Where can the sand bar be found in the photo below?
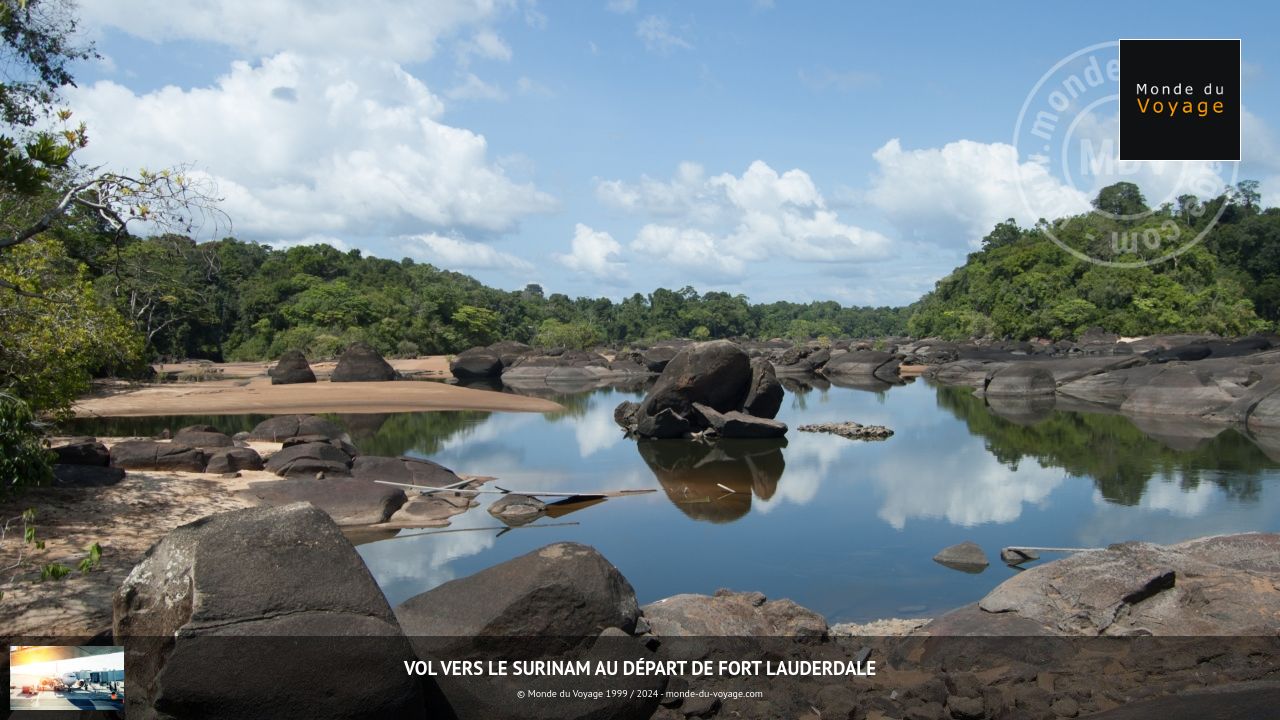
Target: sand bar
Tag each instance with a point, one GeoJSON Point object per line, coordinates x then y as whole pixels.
{"type": "Point", "coordinates": [245, 389]}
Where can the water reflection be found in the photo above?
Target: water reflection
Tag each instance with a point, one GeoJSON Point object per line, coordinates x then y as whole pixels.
{"type": "Point", "coordinates": [735, 514]}
{"type": "Point", "coordinates": [715, 482]}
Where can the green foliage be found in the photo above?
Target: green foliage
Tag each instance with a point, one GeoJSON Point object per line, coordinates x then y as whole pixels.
{"type": "Point", "coordinates": [54, 571]}
{"type": "Point", "coordinates": [92, 557]}
{"type": "Point", "coordinates": [1022, 286]}
{"type": "Point", "coordinates": [573, 335]}
{"type": "Point", "coordinates": [23, 459]}
{"type": "Point", "coordinates": [55, 329]}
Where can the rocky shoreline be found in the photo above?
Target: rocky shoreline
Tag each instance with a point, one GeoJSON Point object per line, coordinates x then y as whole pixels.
{"type": "Point", "coordinates": [220, 578]}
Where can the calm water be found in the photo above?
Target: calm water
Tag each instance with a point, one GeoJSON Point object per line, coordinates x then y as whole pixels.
{"type": "Point", "coordinates": [844, 527]}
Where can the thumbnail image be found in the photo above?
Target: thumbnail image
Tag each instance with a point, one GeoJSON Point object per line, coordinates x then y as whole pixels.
{"type": "Point", "coordinates": [66, 677]}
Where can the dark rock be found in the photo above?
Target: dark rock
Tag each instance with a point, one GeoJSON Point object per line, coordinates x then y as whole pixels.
{"type": "Point", "coordinates": [1018, 556]}
{"type": "Point", "coordinates": [292, 368]}
{"type": "Point", "coordinates": [730, 614]}
{"type": "Point", "coordinates": [283, 427]}
{"type": "Point", "coordinates": [508, 351]}
{"type": "Point", "coordinates": [82, 451]}
{"type": "Point", "coordinates": [735, 424]}
{"type": "Point", "coordinates": [286, 572]}
{"type": "Point", "coordinates": [339, 443]}
{"type": "Point", "coordinates": [1021, 379]}
{"type": "Point", "coordinates": [566, 593]}
{"type": "Point", "coordinates": [1224, 702]}
{"type": "Point", "coordinates": [85, 475]}
{"type": "Point", "coordinates": [965, 557]}
{"type": "Point", "coordinates": [966, 708]}
{"type": "Point", "coordinates": [764, 399]}
{"type": "Point", "coordinates": [410, 471]}
{"type": "Point", "coordinates": [478, 362]}
{"type": "Point", "coordinates": [656, 358]}
{"type": "Point", "coordinates": [625, 415]}
{"type": "Point", "coordinates": [308, 458]}
{"type": "Point", "coordinates": [232, 460]}
{"type": "Point", "coordinates": [152, 455]}
{"type": "Point", "coordinates": [864, 362]}
{"type": "Point", "coordinates": [361, 363]}
{"type": "Point", "coordinates": [716, 374]}
{"type": "Point", "coordinates": [665, 425]}
{"type": "Point", "coordinates": [202, 438]}
{"type": "Point", "coordinates": [694, 475]}
{"type": "Point", "coordinates": [1185, 353]}
{"type": "Point", "coordinates": [346, 500]}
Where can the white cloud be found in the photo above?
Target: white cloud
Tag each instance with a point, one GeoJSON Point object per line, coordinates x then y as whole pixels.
{"type": "Point", "coordinates": [592, 253]}
{"type": "Point", "coordinates": [473, 88]}
{"type": "Point", "coordinates": [960, 191]}
{"type": "Point", "coordinates": [456, 253]}
{"type": "Point", "coordinates": [358, 150]}
{"type": "Point", "coordinates": [485, 44]}
{"type": "Point", "coordinates": [719, 224]}
{"type": "Point", "coordinates": [384, 29]}
{"type": "Point", "coordinates": [656, 32]}
{"type": "Point", "coordinates": [621, 6]}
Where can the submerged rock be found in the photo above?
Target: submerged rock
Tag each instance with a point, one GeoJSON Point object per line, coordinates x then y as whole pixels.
{"type": "Point", "coordinates": [965, 557]}
{"type": "Point", "coordinates": [517, 509]}
{"type": "Point", "coordinates": [1021, 379]}
{"type": "Point", "coordinates": [850, 430]}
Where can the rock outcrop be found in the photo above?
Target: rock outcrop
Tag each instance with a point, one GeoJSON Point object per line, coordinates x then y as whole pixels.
{"type": "Point", "coordinates": [361, 363]}
{"type": "Point", "coordinates": [707, 387]}
{"type": "Point", "coordinates": [154, 455]}
{"type": "Point", "coordinates": [731, 614]}
{"type": "Point", "coordinates": [283, 427]}
{"type": "Point", "coordinates": [292, 368]}
{"type": "Point", "coordinates": [233, 586]}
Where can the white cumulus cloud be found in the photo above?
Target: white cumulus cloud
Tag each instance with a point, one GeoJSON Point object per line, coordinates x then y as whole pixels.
{"type": "Point", "coordinates": [656, 32]}
{"type": "Point", "coordinates": [453, 253]}
{"type": "Point", "coordinates": [721, 223]}
{"type": "Point", "coordinates": [301, 146]}
{"type": "Point", "coordinates": [592, 253]}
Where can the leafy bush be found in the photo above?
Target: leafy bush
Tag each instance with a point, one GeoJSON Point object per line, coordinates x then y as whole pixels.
{"type": "Point", "coordinates": [23, 459]}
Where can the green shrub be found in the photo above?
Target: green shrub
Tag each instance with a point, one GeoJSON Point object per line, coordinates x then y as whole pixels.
{"type": "Point", "coordinates": [23, 459]}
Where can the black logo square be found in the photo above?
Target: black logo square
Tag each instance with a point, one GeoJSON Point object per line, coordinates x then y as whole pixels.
{"type": "Point", "coordinates": [1179, 99]}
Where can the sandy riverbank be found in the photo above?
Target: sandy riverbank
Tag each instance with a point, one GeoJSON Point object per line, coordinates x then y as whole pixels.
{"type": "Point", "coordinates": [244, 388]}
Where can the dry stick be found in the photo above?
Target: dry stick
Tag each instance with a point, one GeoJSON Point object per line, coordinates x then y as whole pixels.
{"type": "Point", "coordinates": [1053, 549]}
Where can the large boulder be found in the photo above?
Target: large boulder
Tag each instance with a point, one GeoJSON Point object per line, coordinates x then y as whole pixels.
{"type": "Point", "coordinates": [737, 425]}
{"type": "Point", "coordinates": [279, 586]}
{"type": "Point", "coordinates": [965, 557]}
{"type": "Point", "coordinates": [82, 476]}
{"type": "Point", "coordinates": [82, 451]}
{"type": "Point", "coordinates": [1265, 414]}
{"type": "Point", "coordinates": [1020, 380]}
{"type": "Point", "coordinates": [411, 471]}
{"type": "Point", "coordinates": [864, 362]}
{"type": "Point", "coordinates": [656, 358]}
{"type": "Point", "coordinates": [1216, 586]}
{"type": "Point", "coordinates": [153, 455]}
{"type": "Point", "coordinates": [565, 593]}
{"type": "Point", "coordinates": [1181, 390]}
{"type": "Point", "coordinates": [361, 363]}
{"type": "Point", "coordinates": [292, 368]}
{"type": "Point", "coordinates": [716, 374]}
{"type": "Point", "coordinates": [283, 427]}
{"type": "Point", "coordinates": [346, 500]}
{"type": "Point", "coordinates": [764, 398]}
{"type": "Point", "coordinates": [307, 459]}
{"type": "Point", "coordinates": [234, 459]}
{"type": "Point", "coordinates": [478, 362]}
{"type": "Point", "coordinates": [1110, 388]}
{"type": "Point", "coordinates": [508, 351]}
{"type": "Point", "coordinates": [202, 436]}
{"type": "Point", "coordinates": [732, 614]}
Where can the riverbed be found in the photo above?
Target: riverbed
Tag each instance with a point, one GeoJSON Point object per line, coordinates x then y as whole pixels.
{"type": "Point", "coordinates": [847, 528]}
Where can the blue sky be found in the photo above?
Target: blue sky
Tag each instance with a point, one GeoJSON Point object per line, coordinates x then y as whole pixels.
{"type": "Point", "coordinates": [608, 147]}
